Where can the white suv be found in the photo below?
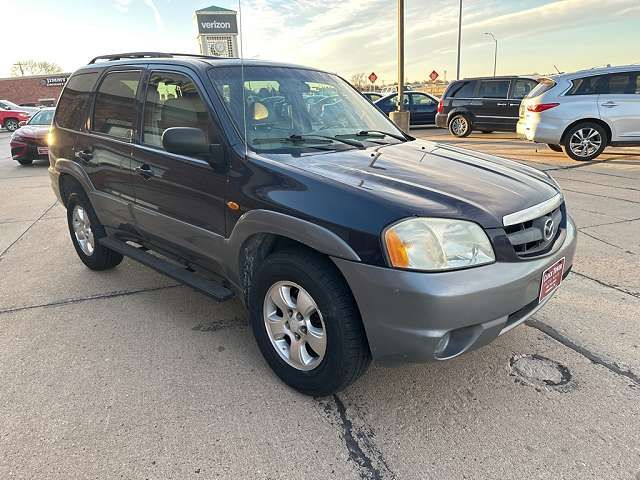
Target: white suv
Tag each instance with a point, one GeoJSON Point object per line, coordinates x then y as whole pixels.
{"type": "Point", "coordinates": [584, 112]}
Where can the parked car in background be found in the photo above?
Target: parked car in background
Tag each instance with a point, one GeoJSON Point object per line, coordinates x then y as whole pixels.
{"type": "Point", "coordinates": [10, 119]}
{"type": "Point", "coordinates": [422, 106]}
{"type": "Point", "coordinates": [346, 239]}
{"type": "Point", "coordinates": [584, 112]}
{"type": "Point", "coordinates": [29, 142]}
{"type": "Point", "coordinates": [373, 96]}
{"type": "Point", "coordinates": [8, 105]}
{"type": "Point", "coordinates": [483, 104]}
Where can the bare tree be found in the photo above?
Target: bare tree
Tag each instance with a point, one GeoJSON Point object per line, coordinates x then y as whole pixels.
{"type": "Point", "coordinates": [34, 67]}
{"type": "Point", "coordinates": [359, 80]}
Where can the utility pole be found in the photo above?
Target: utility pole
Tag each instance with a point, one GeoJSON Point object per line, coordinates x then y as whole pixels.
{"type": "Point", "coordinates": [401, 117]}
{"type": "Point", "coordinates": [459, 40]}
{"type": "Point", "coordinates": [495, 52]}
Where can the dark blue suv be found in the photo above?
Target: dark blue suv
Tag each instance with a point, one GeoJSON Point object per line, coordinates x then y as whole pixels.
{"type": "Point", "coordinates": [346, 239]}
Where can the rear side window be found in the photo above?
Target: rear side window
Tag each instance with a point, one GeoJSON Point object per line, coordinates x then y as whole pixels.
{"type": "Point", "coordinates": [172, 101]}
{"type": "Point", "coordinates": [494, 89]}
{"type": "Point", "coordinates": [588, 85]}
{"type": "Point", "coordinates": [627, 83]}
{"type": "Point", "coordinates": [72, 108]}
{"type": "Point", "coordinates": [544, 85]}
{"type": "Point", "coordinates": [522, 88]}
{"type": "Point", "coordinates": [463, 89]}
{"type": "Point", "coordinates": [115, 106]}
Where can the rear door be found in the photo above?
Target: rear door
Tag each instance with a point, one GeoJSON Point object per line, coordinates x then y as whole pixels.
{"type": "Point", "coordinates": [179, 200]}
{"type": "Point", "coordinates": [619, 106]}
{"type": "Point", "coordinates": [492, 110]}
{"type": "Point", "coordinates": [104, 150]}
{"type": "Point", "coordinates": [423, 109]}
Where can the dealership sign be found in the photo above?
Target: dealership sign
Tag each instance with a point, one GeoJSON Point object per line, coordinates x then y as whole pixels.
{"type": "Point", "coordinates": [53, 81]}
{"type": "Point", "coordinates": [209, 23]}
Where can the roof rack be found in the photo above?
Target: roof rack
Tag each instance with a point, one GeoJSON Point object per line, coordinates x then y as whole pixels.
{"type": "Point", "coordinates": [120, 56]}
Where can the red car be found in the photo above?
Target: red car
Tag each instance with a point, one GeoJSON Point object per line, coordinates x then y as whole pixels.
{"type": "Point", "coordinates": [29, 142]}
{"type": "Point", "coordinates": [10, 119]}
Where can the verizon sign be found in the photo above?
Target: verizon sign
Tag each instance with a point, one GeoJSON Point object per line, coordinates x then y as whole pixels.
{"type": "Point", "coordinates": [209, 23]}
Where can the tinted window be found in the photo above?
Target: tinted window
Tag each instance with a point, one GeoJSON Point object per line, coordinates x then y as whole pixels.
{"type": "Point", "coordinates": [588, 85]}
{"type": "Point", "coordinates": [494, 89]}
{"type": "Point", "coordinates": [522, 88]}
{"type": "Point", "coordinates": [624, 83]}
{"type": "Point", "coordinates": [74, 102]}
{"type": "Point", "coordinates": [462, 90]}
{"type": "Point", "coordinates": [545, 85]}
{"type": "Point", "coordinates": [43, 117]}
{"type": "Point", "coordinates": [422, 100]}
{"type": "Point", "coordinates": [172, 101]}
{"type": "Point", "coordinates": [115, 107]}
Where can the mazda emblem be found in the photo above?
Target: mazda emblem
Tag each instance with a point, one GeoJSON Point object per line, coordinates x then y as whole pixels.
{"type": "Point", "coordinates": [548, 229]}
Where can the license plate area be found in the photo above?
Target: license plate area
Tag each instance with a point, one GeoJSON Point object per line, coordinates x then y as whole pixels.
{"type": "Point", "coordinates": [551, 279]}
{"type": "Point", "coordinates": [43, 150]}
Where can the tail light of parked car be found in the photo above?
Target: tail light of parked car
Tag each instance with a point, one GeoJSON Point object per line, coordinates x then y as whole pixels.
{"type": "Point", "coordinates": [441, 106]}
{"type": "Point", "coordinates": [541, 107]}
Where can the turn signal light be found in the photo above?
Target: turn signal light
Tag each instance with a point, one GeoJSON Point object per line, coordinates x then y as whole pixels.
{"type": "Point", "coordinates": [396, 249]}
{"type": "Point", "coordinates": [541, 107]}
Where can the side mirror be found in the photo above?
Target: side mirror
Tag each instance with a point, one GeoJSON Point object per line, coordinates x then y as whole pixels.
{"type": "Point", "coordinates": [22, 123]}
{"type": "Point", "coordinates": [185, 141]}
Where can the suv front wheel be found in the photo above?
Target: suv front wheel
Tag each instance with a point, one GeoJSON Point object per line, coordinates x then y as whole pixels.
{"type": "Point", "coordinates": [585, 141]}
{"type": "Point", "coordinates": [306, 323]}
{"type": "Point", "coordinates": [460, 126]}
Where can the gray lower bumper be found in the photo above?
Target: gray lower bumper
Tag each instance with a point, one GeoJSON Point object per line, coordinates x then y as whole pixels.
{"type": "Point", "coordinates": [405, 314]}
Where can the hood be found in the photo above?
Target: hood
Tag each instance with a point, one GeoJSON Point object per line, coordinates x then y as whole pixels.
{"type": "Point", "coordinates": [436, 180]}
{"type": "Point", "coordinates": [38, 132]}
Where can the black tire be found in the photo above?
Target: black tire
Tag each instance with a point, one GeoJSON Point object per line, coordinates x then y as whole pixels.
{"type": "Point", "coordinates": [555, 148]}
{"type": "Point", "coordinates": [25, 161]}
{"type": "Point", "coordinates": [347, 353]}
{"type": "Point", "coordinates": [582, 153]}
{"type": "Point", "coordinates": [11, 124]}
{"type": "Point", "coordinates": [460, 126]}
{"type": "Point", "coordinates": [101, 258]}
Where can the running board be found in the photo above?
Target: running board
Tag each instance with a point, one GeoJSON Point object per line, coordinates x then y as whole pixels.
{"type": "Point", "coordinates": [197, 282]}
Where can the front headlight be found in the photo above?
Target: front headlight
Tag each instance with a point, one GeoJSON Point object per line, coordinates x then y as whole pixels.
{"type": "Point", "coordinates": [437, 244]}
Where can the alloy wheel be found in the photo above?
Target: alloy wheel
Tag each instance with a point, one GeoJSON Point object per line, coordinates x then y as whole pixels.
{"type": "Point", "coordinates": [459, 126]}
{"type": "Point", "coordinates": [585, 142]}
{"type": "Point", "coordinates": [82, 230]}
{"type": "Point", "coordinates": [11, 125]}
{"type": "Point", "coordinates": [295, 325]}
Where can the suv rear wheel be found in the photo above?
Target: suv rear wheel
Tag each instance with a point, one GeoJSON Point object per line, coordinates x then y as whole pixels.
{"type": "Point", "coordinates": [306, 323]}
{"type": "Point", "coordinates": [460, 126]}
{"type": "Point", "coordinates": [585, 141]}
{"type": "Point", "coordinates": [86, 231]}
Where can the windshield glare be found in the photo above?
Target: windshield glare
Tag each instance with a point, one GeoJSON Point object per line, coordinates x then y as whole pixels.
{"type": "Point", "coordinates": [279, 102]}
{"type": "Point", "coordinates": [43, 117]}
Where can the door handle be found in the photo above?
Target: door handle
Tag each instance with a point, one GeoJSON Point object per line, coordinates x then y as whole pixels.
{"type": "Point", "coordinates": [144, 171]}
{"type": "Point", "coordinates": [514, 104]}
{"type": "Point", "coordinates": [609, 104]}
{"type": "Point", "coordinates": [84, 155]}
{"type": "Point", "coordinates": [502, 104]}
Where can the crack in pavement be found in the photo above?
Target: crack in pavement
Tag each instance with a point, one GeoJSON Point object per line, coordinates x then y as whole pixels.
{"type": "Point", "coordinates": [28, 228]}
{"type": "Point", "coordinates": [358, 443]}
{"type": "Point", "coordinates": [99, 296]}
{"type": "Point", "coordinates": [604, 284]}
{"type": "Point", "coordinates": [608, 223]}
{"type": "Point", "coordinates": [604, 241]}
{"type": "Point", "coordinates": [585, 352]}
{"type": "Point", "coordinates": [598, 184]}
{"type": "Point", "coordinates": [602, 196]}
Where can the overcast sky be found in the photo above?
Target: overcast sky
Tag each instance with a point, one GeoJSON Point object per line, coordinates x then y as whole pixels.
{"type": "Point", "coordinates": [345, 36]}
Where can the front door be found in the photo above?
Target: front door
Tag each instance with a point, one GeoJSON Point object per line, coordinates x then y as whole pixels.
{"type": "Point", "coordinates": [491, 109]}
{"type": "Point", "coordinates": [179, 200]}
{"type": "Point", "coordinates": [620, 106]}
{"type": "Point", "coordinates": [423, 109]}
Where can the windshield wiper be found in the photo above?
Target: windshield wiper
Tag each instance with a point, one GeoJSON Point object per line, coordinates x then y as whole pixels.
{"type": "Point", "coordinates": [365, 133]}
{"type": "Point", "coordinates": [311, 136]}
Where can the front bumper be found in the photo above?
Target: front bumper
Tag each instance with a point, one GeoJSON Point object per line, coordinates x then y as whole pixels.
{"type": "Point", "coordinates": [405, 314]}
{"type": "Point", "coordinates": [25, 150]}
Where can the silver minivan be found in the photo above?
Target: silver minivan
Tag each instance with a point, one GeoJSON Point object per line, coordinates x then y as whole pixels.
{"type": "Point", "coordinates": [584, 112]}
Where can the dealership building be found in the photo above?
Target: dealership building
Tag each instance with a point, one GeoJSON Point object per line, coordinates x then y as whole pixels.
{"type": "Point", "coordinates": [33, 90]}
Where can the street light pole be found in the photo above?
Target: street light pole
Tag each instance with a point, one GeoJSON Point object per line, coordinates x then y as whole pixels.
{"type": "Point", "coordinates": [495, 52]}
{"type": "Point", "coordinates": [401, 117]}
{"type": "Point", "coordinates": [459, 40]}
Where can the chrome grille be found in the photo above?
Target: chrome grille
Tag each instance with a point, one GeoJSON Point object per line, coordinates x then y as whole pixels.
{"type": "Point", "coordinates": [535, 237]}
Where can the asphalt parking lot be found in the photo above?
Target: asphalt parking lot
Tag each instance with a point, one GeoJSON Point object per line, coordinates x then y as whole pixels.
{"type": "Point", "coordinates": [125, 374]}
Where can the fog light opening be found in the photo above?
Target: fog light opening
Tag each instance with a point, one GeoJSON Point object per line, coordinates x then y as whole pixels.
{"type": "Point", "coordinates": [442, 345]}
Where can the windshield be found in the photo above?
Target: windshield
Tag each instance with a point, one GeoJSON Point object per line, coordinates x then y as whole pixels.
{"type": "Point", "coordinates": [43, 117]}
{"type": "Point", "coordinates": [7, 103]}
{"type": "Point", "coordinates": [290, 109]}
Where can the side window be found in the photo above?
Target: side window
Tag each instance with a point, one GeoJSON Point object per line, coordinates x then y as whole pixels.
{"type": "Point", "coordinates": [521, 88]}
{"type": "Point", "coordinates": [74, 102]}
{"type": "Point", "coordinates": [463, 90]}
{"type": "Point", "coordinates": [494, 89]}
{"type": "Point", "coordinates": [422, 100]}
{"type": "Point", "coordinates": [115, 106]}
{"type": "Point", "coordinates": [172, 101]}
{"type": "Point", "coordinates": [624, 83]}
{"type": "Point", "coordinates": [589, 85]}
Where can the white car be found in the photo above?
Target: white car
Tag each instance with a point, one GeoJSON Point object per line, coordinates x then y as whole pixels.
{"type": "Point", "coordinates": [8, 105]}
{"type": "Point", "coordinates": [584, 112]}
